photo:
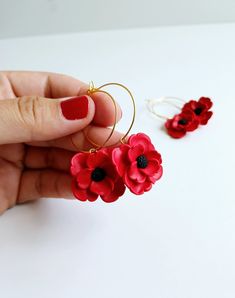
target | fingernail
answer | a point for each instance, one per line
(75, 108)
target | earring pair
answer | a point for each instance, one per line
(106, 172)
(192, 114)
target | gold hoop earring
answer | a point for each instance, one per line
(106, 171)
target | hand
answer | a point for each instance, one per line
(38, 129)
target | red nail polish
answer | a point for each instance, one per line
(75, 108)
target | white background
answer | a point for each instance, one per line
(177, 241)
(33, 17)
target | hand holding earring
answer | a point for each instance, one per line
(107, 171)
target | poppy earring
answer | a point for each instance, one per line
(107, 171)
(192, 114)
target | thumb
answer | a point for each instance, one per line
(33, 118)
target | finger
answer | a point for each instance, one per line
(44, 184)
(52, 85)
(43, 84)
(33, 118)
(83, 140)
(54, 158)
(105, 110)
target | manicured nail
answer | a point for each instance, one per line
(75, 108)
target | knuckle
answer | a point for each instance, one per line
(35, 113)
(28, 109)
(32, 112)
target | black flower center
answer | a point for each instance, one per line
(182, 121)
(142, 162)
(98, 174)
(198, 111)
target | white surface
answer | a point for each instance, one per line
(33, 17)
(178, 240)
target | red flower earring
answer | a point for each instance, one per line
(138, 163)
(107, 171)
(200, 109)
(95, 175)
(193, 114)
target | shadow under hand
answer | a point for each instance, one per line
(47, 222)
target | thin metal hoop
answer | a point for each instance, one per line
(122, 140)
(152, 103)
(92, 89)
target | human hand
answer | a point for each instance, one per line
(37, 124)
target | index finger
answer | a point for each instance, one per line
(53, 85)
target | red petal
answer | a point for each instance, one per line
(141, 139)
(206, 101)
(134, 152)
(119, 187)
(103, 187)
(151, 169)
(118, 191)
(173, 132)
(154, 155)
(135, 173)
(191, 105)
(168, 123)
(110, 170)
(176, 134)
(84, 178)
(205, 117)
(192, 125)
(134, 186)
(78, 162)
(128, 181)
(119, 158)
(96, 159)
(175, 124)
(156, 176)
(83, 194)
(133, 139)
(147, 186)
(188, 115)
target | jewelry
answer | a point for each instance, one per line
(192, 114)
(107, 171)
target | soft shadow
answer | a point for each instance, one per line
(47, 220)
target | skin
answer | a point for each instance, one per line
(34, 168)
